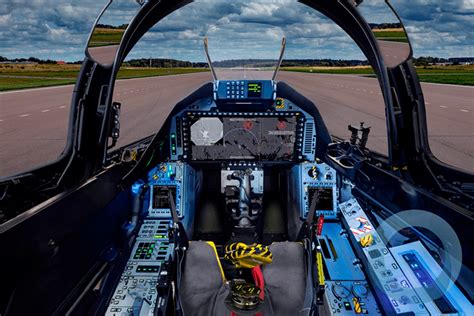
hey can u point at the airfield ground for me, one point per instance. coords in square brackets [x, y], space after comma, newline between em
[24, 76]
[451, 74]
[33, 122]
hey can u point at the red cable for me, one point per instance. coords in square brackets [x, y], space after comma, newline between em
[259, 282]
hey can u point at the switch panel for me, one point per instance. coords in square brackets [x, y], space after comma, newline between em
[134, 295]
[440, 295]
[155, 229]
[151, 250]
[390, 278]
[318, 179]
[136, 292]
[349, 298]
[182, 181]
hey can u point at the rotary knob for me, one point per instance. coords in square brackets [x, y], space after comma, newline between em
[313, 173]
[360, 290]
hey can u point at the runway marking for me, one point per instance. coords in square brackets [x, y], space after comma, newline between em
[1, 120]
[62, 106]
[427, 103]
[44, 111]
[24, 115]
[443, 106]
[462, 110]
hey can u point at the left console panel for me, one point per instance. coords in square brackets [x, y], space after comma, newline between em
[148, 266]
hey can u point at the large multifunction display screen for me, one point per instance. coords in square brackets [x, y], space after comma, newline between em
[243, 137]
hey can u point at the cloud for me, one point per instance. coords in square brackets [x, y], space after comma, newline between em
[251, 29]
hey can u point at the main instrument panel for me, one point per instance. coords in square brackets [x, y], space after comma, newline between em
[251, 136]
[237, 126]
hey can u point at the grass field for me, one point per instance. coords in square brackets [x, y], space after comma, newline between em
[25, 83]
[393, 35]
[105, 37]
[462, 75]
[332, 70]
[22, 76]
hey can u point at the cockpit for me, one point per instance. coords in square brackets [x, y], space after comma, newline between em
[243, 202]
[242, 183]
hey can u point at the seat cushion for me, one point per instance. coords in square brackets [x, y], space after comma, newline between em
[285, 278]
[202, 279]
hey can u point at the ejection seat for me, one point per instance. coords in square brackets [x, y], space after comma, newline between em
[203, 287]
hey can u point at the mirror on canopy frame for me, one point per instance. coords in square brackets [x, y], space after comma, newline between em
[388, 29]
[109, 29]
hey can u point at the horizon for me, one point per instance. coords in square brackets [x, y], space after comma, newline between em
[59, 30]
[227, 60]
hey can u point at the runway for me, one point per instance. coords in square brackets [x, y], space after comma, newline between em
[33, 123]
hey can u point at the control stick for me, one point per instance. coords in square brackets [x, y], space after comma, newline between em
[244, 178]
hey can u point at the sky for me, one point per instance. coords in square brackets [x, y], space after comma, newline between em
[58, 29]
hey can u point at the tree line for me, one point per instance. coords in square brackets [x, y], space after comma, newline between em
[174, 63]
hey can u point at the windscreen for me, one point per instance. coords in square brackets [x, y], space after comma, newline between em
[244, 50]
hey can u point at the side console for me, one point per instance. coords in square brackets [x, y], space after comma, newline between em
[346, 290]
[147, 271]
[394, 290]
[144, 286]
[440, 295]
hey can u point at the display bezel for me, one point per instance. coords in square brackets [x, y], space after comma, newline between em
[187, 144]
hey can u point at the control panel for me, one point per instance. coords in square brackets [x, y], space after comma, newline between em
[239, 90]
[346, 290]
[155, 229]
[134, 295]
[382, 267]
[350, 298]
[136, 292]
[318, 179]
[439, 293]
[182, 181]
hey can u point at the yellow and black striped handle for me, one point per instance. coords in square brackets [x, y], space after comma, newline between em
[248, 256]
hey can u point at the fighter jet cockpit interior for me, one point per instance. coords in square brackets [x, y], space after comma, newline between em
[242, 201]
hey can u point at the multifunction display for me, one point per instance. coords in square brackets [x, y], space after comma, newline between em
[252, 137]
[254, 89]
